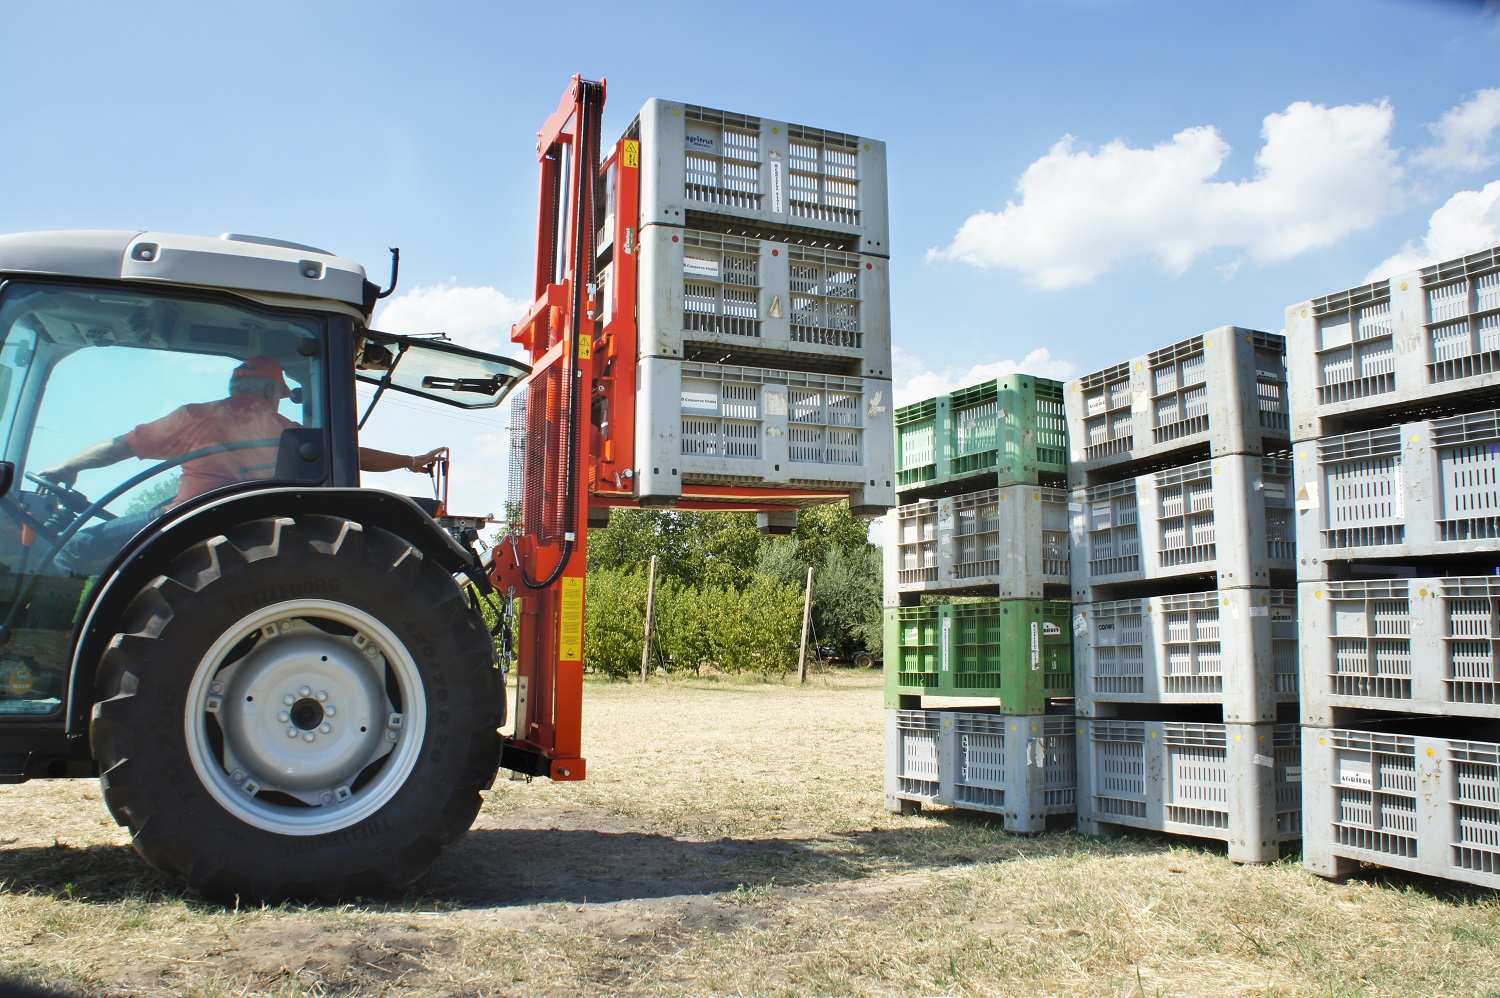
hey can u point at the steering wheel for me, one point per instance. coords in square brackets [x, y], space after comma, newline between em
[72, 500]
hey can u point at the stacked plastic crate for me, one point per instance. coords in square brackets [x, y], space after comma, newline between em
[1396, 412]
[978, 654]
[1184, 618]
[764, 310]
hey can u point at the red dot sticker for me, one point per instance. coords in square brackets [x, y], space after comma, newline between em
[776, 252]
[869, 266]
[674, 239]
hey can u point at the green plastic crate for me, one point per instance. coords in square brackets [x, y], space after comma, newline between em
[1017, 653]
[1010, 431]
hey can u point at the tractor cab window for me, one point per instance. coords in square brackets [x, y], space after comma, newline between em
[116, 406]
[436, 370]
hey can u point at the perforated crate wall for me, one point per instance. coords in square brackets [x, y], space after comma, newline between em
[1235, 647]
[697, 160]
[1423, 336]
[1430, 487]
[720, 424]
[1006, 432]
[1423, 646]
[1218, 781]
[1427, 805]
[762, 300]
[1010, 542]
[1231, 516]
[1021, 768]
[1225, 389]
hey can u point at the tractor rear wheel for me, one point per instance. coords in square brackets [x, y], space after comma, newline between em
[299, 708]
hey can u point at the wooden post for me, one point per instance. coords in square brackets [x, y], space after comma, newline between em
[650, 619]
[806, 625]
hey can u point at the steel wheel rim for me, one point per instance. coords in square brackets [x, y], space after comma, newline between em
[305, 717]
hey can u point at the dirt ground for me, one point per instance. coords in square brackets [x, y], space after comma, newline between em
[732, 839]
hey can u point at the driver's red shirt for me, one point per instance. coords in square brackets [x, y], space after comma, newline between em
[206, 424]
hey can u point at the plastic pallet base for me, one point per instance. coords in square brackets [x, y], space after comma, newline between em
[762, 302]
[762, 172]
[1010, 543]
[1228, 516]
[764, 428]
[1235, 783]
[1430, 337]
[1422, 488]
[1019, 768]
[1013, 655]
[1425, 805]
[1233, 647]
[1224, 391]
[1419, 646]
[1011, 431]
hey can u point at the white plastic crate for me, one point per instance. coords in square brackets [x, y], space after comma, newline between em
[1235, 647]
[1421, 646]
[1009, 542]
[1427, 805]
[1225, 389]
[706, 295]
[1230, 516]
[770, 173]
[1423, 336]
[1232, 782]
[720, 424]
[1430, 487]
[1019, 767]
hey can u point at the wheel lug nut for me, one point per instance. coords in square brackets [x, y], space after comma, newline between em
[391, 736]
[305, 691]
[326, 728]
[329, 711]
[239, 776]
[308, 737]
[288, 699]
[284, 716]
[216, 688]
[292, 731]
[321, 695]
[327, 798]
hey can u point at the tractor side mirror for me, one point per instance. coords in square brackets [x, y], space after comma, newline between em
[7, 476]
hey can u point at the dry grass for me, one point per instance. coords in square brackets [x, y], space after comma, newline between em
[731, 840]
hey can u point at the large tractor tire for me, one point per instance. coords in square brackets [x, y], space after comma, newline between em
[298, 709]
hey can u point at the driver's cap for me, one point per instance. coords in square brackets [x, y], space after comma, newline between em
[262, 366]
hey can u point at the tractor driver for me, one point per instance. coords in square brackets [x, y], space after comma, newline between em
[247, 413]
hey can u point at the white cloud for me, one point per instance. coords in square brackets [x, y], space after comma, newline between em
[1467, 223]
[1321, 174]
[478, 318]
[1464, 134]
[914, 381]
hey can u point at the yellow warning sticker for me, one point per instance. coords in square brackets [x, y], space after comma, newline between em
[570, 620]
[585, 347]
[630, 155]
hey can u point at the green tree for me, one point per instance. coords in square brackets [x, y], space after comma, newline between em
[154, 494]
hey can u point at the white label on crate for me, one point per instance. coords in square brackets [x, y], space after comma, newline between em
[1274, 490]
[775, 158]
[876, 408]
[700, 400]
[1036, 647]
[1356, 773]
[1307, 496]
[775, 403]
[947, 626]
[1050, 630]
[945, 515]
[1294, 774]
[1080, 624]
[1101, 515]
[1140, 399]
[1265, 760]
[1075, 507]
[775, 310]
[1234, 610]
[1260, 611]
[700, 266]
[702, 142]
[1281, 615]
[1096, 405]
[775, 431]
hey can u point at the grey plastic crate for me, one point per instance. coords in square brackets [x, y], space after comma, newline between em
[1021, 768]
[763, 301]
[1011, 542]
[720, 424]
[1427, 805]
[771, 173]
[1427, 335]
[1430, 487]
[1231, 516]
[1225, 389]
[1234, 647]
[1236, 783]
[1421, 646]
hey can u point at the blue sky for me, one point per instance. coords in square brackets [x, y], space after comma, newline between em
[1088, 179]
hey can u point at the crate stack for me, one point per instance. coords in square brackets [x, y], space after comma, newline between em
[1184, 616]
[1395, 392]
[978, 658]
[764, 309]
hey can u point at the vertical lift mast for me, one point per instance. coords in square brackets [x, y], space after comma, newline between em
[577, 415]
